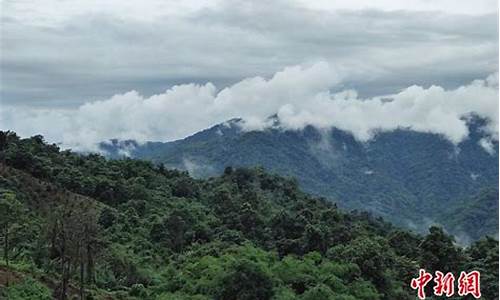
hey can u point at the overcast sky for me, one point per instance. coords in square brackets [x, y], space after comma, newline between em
[59, 55]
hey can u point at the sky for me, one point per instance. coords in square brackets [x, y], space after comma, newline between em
[84, 71]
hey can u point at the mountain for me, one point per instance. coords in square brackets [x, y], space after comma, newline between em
[413, 179]
[472, 218]
[86, 227]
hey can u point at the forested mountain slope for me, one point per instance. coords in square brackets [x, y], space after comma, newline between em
[84, 226]
[411, 178]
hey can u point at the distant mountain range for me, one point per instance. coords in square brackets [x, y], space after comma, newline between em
[412, 179]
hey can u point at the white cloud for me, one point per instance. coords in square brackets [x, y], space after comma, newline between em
[61, 53]
[299, 95]
[428, 110]
[487, 145]
[51, 12]
[449, 6]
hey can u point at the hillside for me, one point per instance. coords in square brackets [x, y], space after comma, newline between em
[81, 225]
[471, 219]
[412, 179]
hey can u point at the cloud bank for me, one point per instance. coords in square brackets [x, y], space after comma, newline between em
[61, 54]
[299, 95]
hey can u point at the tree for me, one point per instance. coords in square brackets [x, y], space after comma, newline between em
[74, 241]
[250, 222]
[107, 218]
[438, 252]
[183, 226]
[11, 212]
[295, 273]
[372, 255]
[178, 232]
[3, 139]
[320, 291]
[314, 239]
[228, 170]
[404, 243]
[482, 256]
[245, 280]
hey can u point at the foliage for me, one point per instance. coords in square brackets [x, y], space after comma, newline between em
[402, 175]
[129, 229]
[27, 289]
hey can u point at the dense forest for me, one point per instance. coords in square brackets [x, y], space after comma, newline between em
[412, 179]
[79, 226]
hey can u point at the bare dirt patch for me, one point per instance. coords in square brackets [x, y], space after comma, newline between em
[8, 277]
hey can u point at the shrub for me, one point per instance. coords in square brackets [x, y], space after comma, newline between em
[27, 289]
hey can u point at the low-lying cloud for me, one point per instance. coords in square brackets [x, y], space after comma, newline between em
[298, 95]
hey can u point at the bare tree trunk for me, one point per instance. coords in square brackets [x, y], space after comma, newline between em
[82, 281]
[6, 251]
[82, 272]
[64, 293]
[64, 283]
[90, 265]
[53, 238]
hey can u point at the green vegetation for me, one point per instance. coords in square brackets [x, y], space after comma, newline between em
[27, 289]
[412, 179]
[91, 228]
[472, 217]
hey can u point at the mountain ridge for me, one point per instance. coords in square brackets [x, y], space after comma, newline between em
[86, 226]
[403, 175]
